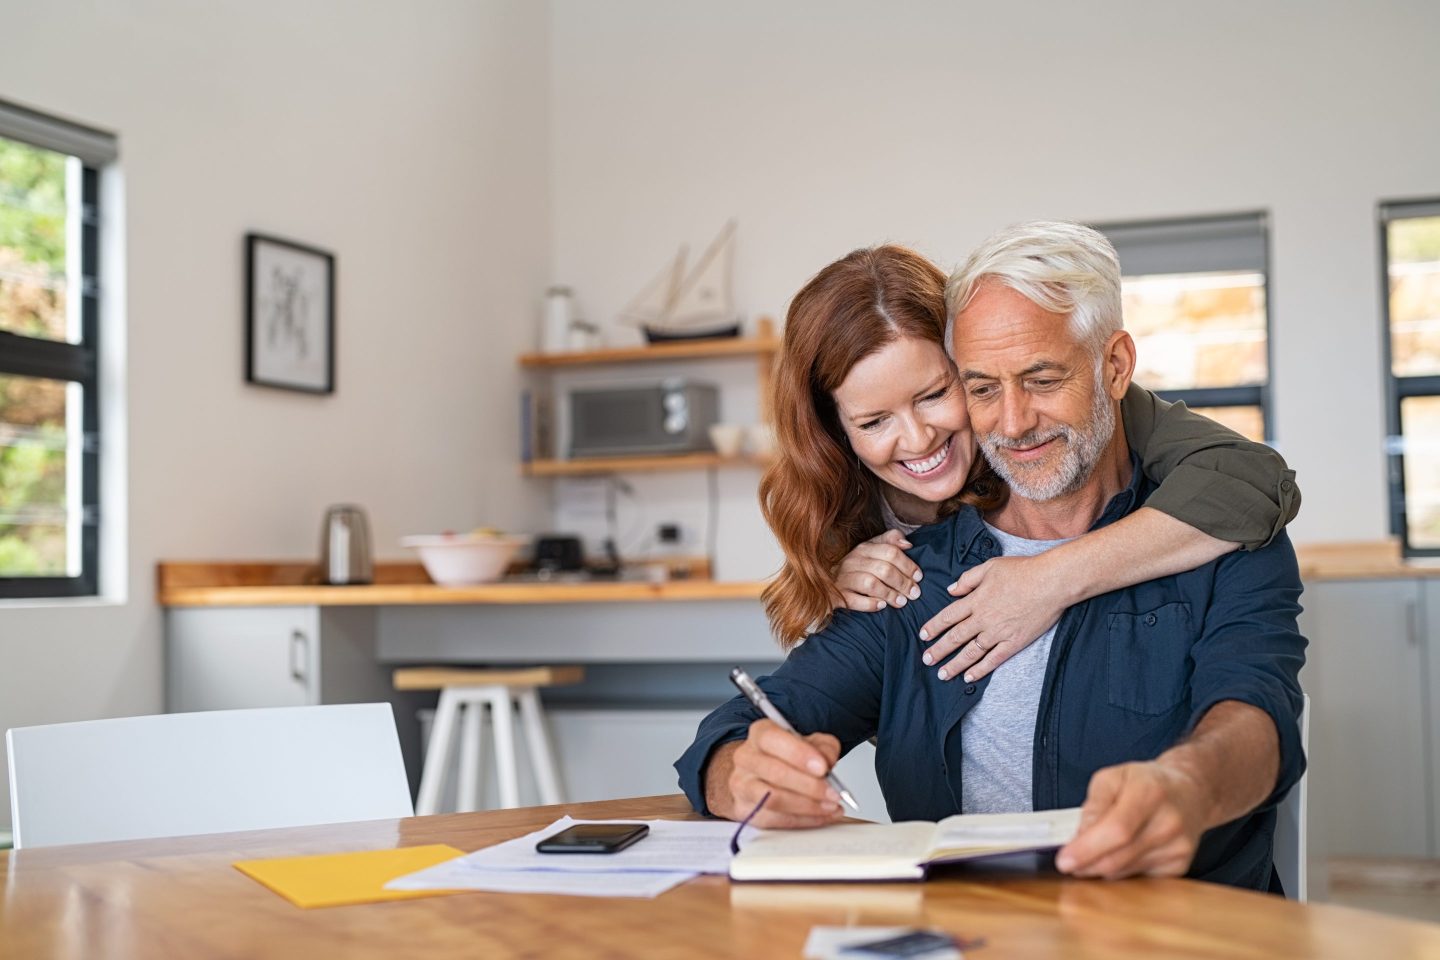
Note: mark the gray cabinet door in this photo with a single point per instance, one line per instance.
(226, 658)
(1431, 622)
(1369, 791)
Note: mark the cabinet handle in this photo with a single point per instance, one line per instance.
(1412, 624)
(299, 654)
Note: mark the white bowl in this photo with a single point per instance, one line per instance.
(457, 559)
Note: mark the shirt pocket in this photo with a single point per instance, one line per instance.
(1150, 658)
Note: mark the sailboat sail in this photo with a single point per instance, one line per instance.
(704, 299)
(655, 302)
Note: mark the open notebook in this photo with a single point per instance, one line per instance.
(897, 851)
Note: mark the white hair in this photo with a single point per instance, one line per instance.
(1059, 266)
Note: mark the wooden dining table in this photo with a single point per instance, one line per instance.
(182, 897)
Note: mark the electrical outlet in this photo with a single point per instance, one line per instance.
(668, 533)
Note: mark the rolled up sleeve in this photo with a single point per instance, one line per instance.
(1251, 649)
(1209, 476)
(830, 683)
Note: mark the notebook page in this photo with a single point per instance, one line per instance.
(997, 832)
(843, 850)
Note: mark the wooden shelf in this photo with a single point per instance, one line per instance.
(291, 583)
(684, 461)
(762, 346)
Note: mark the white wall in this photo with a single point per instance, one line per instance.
(824, 125)
(413, 145)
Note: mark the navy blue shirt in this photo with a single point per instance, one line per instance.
(1130, 674)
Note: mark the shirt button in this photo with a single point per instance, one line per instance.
(989, 543)
(969, 688)
(1150, 619)
(1286, 485)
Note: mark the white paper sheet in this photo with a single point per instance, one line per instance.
(452, 875)
(674, 851)
(688, 846)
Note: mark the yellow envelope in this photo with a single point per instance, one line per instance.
(336, 879)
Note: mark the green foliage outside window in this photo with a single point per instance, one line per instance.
(33, 514)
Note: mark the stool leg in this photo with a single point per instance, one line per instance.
(501, 721)
(470, 716)
(542, 758)
(432, 777)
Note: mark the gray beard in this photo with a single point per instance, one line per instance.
(1083, 447)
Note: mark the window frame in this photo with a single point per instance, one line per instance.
(1259, 395)
(68, 362)
(1399, 389)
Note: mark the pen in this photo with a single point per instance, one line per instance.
(756, 696)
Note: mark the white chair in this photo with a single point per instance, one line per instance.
(465, 694)
(1291, 828)
(214, 772)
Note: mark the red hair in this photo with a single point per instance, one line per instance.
(818, 498)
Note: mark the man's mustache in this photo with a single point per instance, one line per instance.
(997, 441)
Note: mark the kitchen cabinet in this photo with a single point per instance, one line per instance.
(221, 659)
(1430, 622)
(1369, 674)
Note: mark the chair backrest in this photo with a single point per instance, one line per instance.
(212, 772)
(1291, 827)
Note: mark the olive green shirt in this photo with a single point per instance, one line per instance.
(1209, 476)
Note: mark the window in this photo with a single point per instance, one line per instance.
(1410, 255)
(49, 361)
(1196, 301)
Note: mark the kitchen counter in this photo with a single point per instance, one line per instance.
(262, 584)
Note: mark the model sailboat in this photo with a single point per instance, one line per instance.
(694, 306)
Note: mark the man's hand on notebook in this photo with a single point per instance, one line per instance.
(789, 767)
(1138, 819)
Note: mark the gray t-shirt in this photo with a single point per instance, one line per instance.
(997, 736)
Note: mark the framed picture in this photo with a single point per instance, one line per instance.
(289, 315)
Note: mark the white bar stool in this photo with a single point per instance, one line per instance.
(464, 695)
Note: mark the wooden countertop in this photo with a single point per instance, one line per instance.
(289, 583)
(1372, 560)
(181, 897)
(292, 584)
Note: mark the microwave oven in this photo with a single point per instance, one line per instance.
(672, 416)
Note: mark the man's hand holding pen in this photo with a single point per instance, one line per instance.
(791, 768)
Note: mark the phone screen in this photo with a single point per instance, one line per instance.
(593, 838)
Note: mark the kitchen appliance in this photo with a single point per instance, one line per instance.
(345, 556)
(558, 552)
(672, 416)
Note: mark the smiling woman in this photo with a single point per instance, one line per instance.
(908, 437)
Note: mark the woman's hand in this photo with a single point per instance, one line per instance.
(1005, 605)
(877, 573)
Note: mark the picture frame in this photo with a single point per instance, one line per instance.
(289, 315)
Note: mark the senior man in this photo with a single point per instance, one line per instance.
(1169, 709)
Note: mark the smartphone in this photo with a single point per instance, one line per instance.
(916, 943)
(593, 838)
